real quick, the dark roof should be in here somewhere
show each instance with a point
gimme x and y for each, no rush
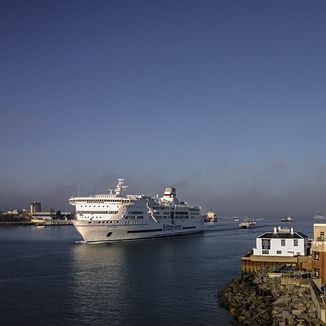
(283, 235)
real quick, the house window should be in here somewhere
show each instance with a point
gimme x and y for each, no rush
(316, 255)
(265, 252)
(266, 244)
(295, 242)
(316, 272)
(279, 252)
(282, 242)
(322, 234)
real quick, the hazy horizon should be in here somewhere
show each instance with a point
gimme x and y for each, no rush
(224, 100)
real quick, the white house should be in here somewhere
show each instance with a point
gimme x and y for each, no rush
(282, 242)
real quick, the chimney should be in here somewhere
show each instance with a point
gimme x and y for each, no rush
(292, 230)
(275, 230)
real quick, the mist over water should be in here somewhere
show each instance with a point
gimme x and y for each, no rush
(46, 278)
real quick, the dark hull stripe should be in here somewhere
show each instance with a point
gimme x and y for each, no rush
(154, 237)
(141, 231)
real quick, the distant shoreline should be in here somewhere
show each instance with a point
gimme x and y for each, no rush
(54, 223)
(15, 223)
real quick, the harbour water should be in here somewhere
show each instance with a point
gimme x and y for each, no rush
(48, 279)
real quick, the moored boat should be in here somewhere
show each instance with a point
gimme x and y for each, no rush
(118, 216)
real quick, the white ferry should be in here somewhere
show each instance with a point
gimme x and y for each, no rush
(118, 216)
(247, 224)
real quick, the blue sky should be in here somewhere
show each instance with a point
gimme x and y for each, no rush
(225, 100)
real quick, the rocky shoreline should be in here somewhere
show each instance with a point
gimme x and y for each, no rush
(256, 299)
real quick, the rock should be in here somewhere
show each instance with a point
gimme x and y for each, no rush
(255, 299)
(241, 319)
(291, 321)
(266, 316)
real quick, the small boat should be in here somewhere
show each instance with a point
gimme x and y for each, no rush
(247, 224)
(319, 216)
(40, 225)
(288, 219)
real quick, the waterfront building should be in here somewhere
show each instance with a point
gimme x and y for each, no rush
(318, 253)
(282, 246)
(282, 242)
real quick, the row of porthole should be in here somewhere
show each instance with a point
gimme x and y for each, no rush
(104, 222)
(95, 206)
(126, 222)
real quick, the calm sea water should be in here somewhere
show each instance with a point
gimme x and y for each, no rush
(48, 279)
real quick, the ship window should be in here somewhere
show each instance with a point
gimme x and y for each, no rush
(109, 234)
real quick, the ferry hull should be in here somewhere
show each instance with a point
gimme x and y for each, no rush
(120, 230)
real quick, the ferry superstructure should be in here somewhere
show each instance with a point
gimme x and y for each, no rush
(117, 216)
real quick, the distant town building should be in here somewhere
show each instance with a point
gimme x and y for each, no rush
(35, 208)
(49, 216)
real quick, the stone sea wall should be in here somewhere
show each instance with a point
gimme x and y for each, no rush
(257, 299)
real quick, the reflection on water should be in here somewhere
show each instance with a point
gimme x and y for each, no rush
(143, 282)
